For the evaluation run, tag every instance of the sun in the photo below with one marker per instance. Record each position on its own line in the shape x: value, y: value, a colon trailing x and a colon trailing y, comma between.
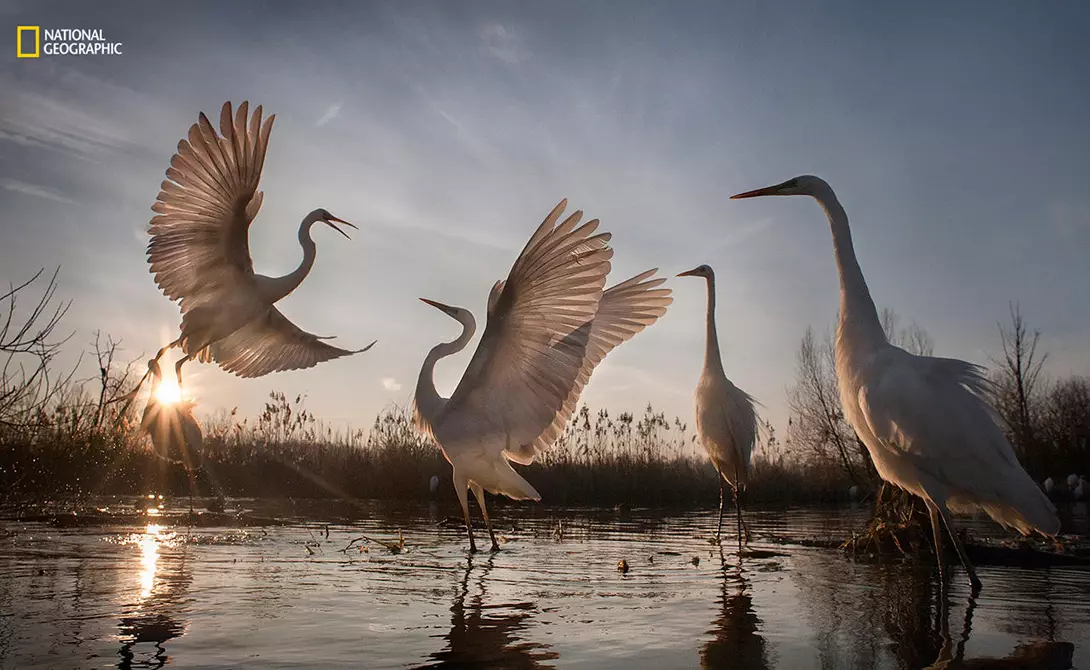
x: 168, y: 392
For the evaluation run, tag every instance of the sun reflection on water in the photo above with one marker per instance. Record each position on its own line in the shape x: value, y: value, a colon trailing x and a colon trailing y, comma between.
x: 149, y: 558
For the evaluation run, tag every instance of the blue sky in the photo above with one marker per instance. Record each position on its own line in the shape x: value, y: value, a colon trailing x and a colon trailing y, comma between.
x: 956, y: 135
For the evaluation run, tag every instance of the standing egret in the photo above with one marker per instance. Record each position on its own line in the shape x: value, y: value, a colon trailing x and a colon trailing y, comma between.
x: 1072, y: 480
x: 923, y: 420
x: 199, y: 253
x: 725, y: 419
x: 549, y: 324
x: 1049, y: 485
x: 175, y: 434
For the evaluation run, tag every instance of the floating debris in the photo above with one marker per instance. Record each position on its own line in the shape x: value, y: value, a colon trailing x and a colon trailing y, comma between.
x: 695, y: 560
x: 622, y: 566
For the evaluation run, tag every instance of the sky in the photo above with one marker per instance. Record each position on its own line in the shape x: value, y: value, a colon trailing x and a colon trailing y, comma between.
x: 955, y: 134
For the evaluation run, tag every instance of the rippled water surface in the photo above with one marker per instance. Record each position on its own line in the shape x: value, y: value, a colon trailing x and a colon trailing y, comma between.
x: 140, y: 594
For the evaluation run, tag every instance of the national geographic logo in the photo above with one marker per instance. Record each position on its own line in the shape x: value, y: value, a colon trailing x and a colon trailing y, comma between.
x: 34, y: 42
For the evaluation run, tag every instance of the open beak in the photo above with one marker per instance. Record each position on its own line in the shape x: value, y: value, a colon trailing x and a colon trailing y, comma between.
x: 689, y: 273
x: 332, y: 220
x: 446, y: 309
x: 767, y: 190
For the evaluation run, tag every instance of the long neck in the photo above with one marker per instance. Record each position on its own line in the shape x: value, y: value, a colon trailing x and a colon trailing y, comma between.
x: 858, y: 316
x: 712, y: 358
x: 279, y: 287
x: 428, y: 401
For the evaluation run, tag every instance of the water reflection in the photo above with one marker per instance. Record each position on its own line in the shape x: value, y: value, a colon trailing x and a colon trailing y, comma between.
x: 157, y: 615
x: 1041, y: 655
x: 487, y: 634
x: 736, y: 642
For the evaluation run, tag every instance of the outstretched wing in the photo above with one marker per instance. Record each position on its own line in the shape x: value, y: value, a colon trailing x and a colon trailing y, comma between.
x: 624, y: 310
x: 930, y: 410
x: 272, y: 343
x: 539, y: 325
x: 199, y: 250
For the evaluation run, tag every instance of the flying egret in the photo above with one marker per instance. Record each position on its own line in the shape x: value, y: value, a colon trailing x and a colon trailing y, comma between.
x: 175, y: 433
x: 549, y: 324
x: 923, y: 420
x: 726, y: 421
x: 199, y: 253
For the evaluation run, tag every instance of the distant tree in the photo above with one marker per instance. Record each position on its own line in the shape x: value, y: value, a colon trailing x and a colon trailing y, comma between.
x: 28, y: 345
x: 1018, y: 388
x: 1065, y: 426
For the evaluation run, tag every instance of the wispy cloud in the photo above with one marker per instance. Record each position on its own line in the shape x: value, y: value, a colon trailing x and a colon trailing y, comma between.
x: 390, y: 384
x: 500, y: 41
x: 330, y: 114
x: 35, y: 191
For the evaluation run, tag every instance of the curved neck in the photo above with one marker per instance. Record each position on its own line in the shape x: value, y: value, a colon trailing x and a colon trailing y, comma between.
x: 712, y: 358
x: 428, y: 401
x: 858, y: 316
x: 276, y: 288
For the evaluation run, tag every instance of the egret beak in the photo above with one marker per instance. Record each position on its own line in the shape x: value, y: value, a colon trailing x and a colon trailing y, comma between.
x: 767, y: 190
x: 446, y: 309
x: 332, y: 219
x: 690, y: 273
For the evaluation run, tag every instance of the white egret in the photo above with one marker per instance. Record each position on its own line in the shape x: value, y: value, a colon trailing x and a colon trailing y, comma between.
x: 1049, y: 485
x: 168, y: 420
x: 923, y: 420
x: 726, y: 421
x: 199, y: 253
x: 1072, y: 480
x: 549, y: 324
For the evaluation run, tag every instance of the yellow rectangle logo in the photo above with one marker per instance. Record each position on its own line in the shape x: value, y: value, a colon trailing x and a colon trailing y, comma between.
x: 19, y: 52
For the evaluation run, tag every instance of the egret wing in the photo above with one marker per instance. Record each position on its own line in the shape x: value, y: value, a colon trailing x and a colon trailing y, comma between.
x: 623, y: 311
x: 199, y: 250
x: 535, y: 341
x: 272, y: 343
x: 931, y: 410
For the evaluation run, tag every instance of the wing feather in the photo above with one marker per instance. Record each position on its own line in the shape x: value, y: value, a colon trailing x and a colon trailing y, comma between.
x: 199, y: 246
x: 272, y: 343
x: 538, y: 328
x: 623, y: 311
x: 932, y: 411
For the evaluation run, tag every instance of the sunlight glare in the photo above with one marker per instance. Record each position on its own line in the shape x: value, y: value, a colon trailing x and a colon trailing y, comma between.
x: 168, y: 392
x: 149, y: 557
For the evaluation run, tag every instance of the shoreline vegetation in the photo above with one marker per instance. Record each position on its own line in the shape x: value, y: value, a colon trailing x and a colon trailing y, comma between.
x: 62, y: 439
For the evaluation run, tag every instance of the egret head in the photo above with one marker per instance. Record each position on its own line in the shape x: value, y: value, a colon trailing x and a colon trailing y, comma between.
x: 457, y: 313
x: 802, y: 185
x: 704, y: 271
x: 325, y: 217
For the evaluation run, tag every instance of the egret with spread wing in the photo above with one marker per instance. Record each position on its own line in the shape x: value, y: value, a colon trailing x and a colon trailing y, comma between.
x: 199, y: 253
x: 549, y: 324
x: 726, y: 421
x: 923, y: 420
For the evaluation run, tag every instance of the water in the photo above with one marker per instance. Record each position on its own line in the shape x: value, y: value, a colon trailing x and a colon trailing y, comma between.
x: 143, y: 595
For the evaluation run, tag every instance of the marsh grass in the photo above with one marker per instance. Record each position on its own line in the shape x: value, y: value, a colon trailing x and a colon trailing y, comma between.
x: 82, y: 447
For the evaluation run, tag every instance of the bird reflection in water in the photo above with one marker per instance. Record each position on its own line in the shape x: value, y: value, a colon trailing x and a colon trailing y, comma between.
x: 485, y: 635
x: 1038, y: 655
x: 737, y: 642
x: 155, y: 616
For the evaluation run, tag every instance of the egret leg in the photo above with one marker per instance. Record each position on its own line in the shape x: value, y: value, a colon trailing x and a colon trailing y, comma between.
x: 167, y: 348
x: 479, y: 493
x: 461, y: 487
x: 743, y: 529
x: 974, y: 581
x: 719, y: 527
x: 178, y: 367
x: 936, y: 532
